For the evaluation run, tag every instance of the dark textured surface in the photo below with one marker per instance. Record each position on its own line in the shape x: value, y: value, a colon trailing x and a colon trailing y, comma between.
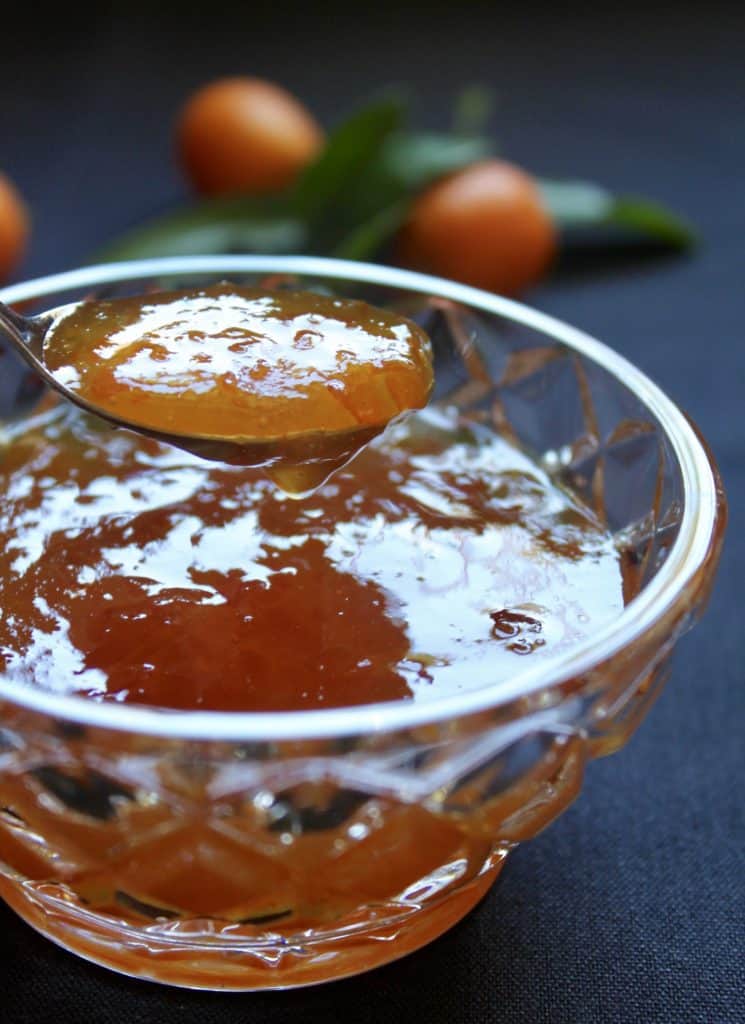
x: 630, y: 908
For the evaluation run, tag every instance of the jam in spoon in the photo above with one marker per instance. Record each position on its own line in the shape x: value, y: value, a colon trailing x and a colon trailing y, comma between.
x: 293, y: 382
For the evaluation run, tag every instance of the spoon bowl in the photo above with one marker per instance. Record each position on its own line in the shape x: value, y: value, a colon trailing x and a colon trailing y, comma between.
x: 297, y: 462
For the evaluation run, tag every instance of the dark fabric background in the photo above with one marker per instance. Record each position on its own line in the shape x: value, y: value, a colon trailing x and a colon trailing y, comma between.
x: 630, y: 908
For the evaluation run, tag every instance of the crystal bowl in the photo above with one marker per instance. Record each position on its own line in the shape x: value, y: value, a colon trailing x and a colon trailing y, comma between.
x: 317, y: 844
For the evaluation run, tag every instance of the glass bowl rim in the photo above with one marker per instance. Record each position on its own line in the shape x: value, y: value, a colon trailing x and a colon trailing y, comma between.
x: 686, y: 556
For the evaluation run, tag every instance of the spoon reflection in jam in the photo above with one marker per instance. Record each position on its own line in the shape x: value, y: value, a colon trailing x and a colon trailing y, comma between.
x: 293, y: 382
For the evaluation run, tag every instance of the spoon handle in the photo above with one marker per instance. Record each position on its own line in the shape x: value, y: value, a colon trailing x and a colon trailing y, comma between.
x: 25, y: 333
x: 20, y: 387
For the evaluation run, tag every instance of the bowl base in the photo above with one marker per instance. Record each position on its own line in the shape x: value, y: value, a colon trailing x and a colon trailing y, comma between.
x: 213, y: 963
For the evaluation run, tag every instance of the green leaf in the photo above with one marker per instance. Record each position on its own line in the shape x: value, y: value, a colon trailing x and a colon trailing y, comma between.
x: 653, y: 220
x: 573, y: 203
x: 414, y: 161
x: 346, y: 154
x: 370, y: 236
x: 352, y: 195
x: 374, y: 208
x: 473, y: 108
x: 218, y: 226
x: 578, y: 204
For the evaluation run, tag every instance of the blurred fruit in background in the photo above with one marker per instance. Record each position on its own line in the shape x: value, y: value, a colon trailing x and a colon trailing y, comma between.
x: 486, y: 225
x: 376, y: 188
x: 245, y: 135
x: 14, y: 227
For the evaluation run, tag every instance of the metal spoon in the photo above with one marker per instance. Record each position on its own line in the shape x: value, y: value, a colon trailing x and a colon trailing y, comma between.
x: 297, y: 463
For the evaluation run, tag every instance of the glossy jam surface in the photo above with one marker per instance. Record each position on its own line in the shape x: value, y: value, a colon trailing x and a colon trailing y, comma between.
x: 440, y: 559
x: 238, y: 362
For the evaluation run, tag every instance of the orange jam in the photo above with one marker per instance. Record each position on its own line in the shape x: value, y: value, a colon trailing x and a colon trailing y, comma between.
x: 439, y: 560
x: 244, y: 364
